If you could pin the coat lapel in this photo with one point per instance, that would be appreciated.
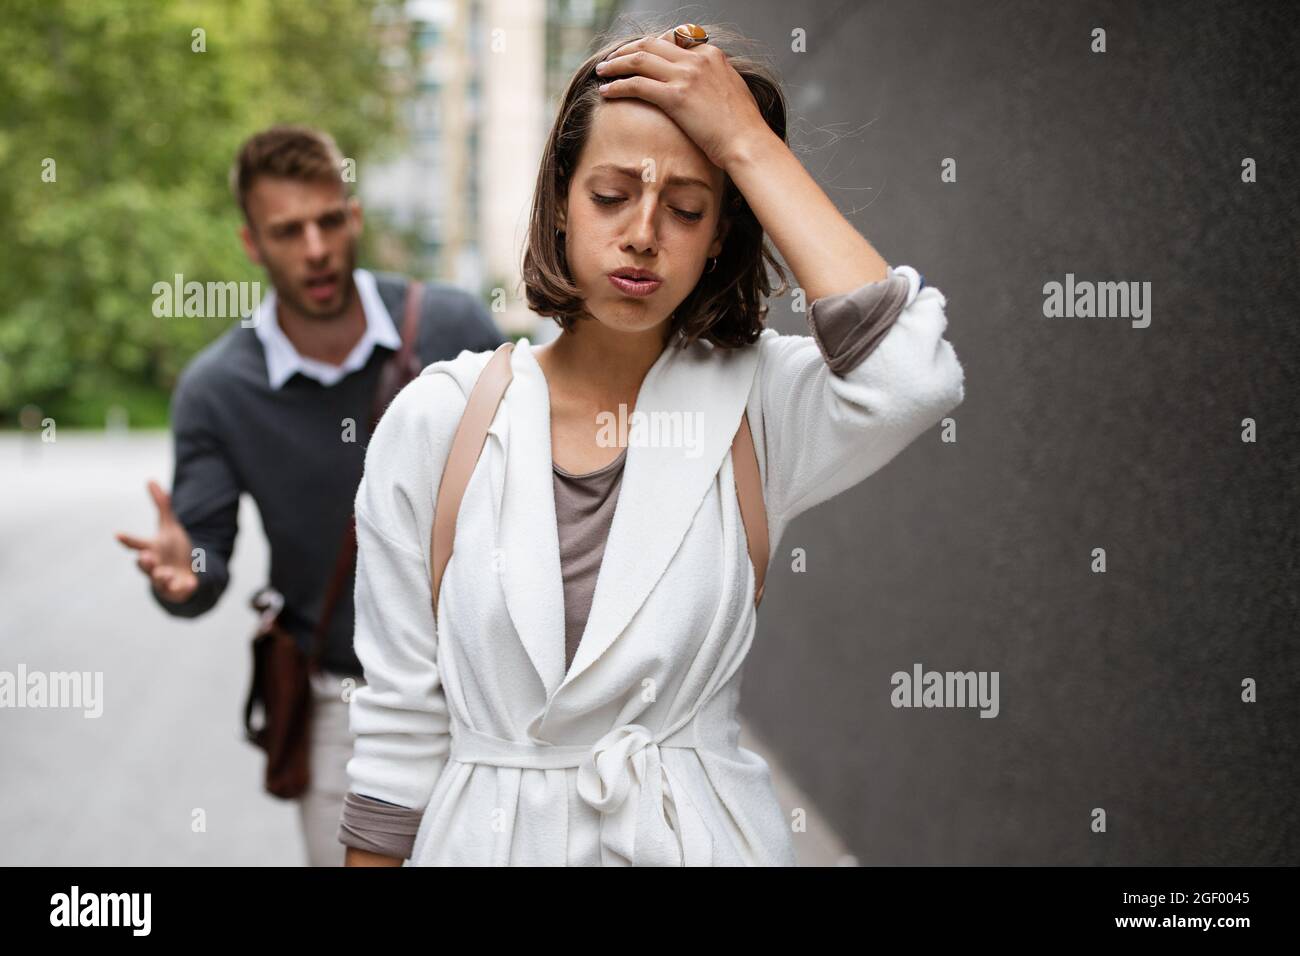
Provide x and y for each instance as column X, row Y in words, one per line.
column 662, row 487
column 527, row 541
column 698, row 394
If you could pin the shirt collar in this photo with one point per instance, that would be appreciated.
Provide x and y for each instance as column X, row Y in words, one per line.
column 283, row 360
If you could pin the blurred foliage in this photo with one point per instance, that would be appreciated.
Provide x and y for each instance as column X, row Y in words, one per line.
column 142, row 130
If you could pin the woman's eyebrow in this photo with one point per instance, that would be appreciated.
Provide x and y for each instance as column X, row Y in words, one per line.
column 635, row 173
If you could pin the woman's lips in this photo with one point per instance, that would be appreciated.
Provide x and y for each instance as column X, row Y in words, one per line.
column 636, row 287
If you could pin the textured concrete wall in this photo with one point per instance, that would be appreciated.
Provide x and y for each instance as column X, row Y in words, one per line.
column 1118, row 690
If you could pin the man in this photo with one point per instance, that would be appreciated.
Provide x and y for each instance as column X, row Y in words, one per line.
column 279, row 407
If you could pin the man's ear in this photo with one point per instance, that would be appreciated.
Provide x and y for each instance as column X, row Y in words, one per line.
column 354, row 211
column 250, row 247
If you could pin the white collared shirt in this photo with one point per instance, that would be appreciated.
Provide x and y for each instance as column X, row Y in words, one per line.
column 282, row 359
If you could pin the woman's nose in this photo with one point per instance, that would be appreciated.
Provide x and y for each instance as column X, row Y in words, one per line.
column 642, row 233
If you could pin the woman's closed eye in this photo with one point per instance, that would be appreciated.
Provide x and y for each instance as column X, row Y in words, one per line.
column 615, row 200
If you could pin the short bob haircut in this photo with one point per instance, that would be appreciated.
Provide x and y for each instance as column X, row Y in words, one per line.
column 726, row 306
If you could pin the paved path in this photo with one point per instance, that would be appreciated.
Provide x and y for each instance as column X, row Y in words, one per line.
column 163, row 776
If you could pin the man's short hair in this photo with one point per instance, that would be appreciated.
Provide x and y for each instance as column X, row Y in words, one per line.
column 287, row 152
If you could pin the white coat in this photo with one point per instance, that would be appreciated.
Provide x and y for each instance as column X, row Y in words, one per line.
column 631, row 757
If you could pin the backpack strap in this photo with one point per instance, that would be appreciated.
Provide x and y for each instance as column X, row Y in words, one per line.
column 753, row 513
column 471, row 436
column 466, row 446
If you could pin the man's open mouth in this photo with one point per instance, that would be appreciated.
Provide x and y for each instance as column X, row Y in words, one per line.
column 323, row 288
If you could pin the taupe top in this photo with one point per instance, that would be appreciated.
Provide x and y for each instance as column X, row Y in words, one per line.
column 584, row 508
column 846, row 327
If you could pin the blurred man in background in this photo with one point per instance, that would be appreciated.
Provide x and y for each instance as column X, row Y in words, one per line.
column 280, row 406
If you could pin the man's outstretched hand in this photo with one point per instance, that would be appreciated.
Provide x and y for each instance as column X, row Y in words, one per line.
column 165, row 558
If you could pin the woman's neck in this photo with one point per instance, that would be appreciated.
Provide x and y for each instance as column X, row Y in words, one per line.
column 598, row 366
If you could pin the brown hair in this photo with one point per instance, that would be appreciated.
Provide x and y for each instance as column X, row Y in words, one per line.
column 726, row 306
column 289, row 152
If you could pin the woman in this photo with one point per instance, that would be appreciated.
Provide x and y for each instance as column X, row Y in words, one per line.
column 537, row 722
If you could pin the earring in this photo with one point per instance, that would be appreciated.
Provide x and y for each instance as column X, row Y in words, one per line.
column 714, row 265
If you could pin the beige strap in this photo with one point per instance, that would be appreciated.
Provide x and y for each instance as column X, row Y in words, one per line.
column 466, row 446
column 753, row 513
column 471, row 436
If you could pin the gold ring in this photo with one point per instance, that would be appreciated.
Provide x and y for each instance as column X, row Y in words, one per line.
column 688, row 35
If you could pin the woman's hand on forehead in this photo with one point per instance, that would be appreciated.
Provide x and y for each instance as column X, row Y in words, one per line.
column 698, row 88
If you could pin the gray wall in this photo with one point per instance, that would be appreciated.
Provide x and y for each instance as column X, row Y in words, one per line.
column 1118, row 690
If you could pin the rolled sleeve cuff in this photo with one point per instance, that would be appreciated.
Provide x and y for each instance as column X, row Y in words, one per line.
column 850, row 325
column 380, row 827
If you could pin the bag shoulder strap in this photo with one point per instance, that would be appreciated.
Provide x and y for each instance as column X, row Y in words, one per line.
column 753, row 513
column 400, row 368
column 466, row 446
column 411, row 319
column 471, row 435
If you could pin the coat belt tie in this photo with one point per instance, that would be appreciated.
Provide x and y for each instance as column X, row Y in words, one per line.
column 646, row 819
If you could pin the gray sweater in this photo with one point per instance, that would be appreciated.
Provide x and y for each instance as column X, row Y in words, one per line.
column 288, row 448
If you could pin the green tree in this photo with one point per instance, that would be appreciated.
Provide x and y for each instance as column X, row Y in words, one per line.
column 135, row 111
